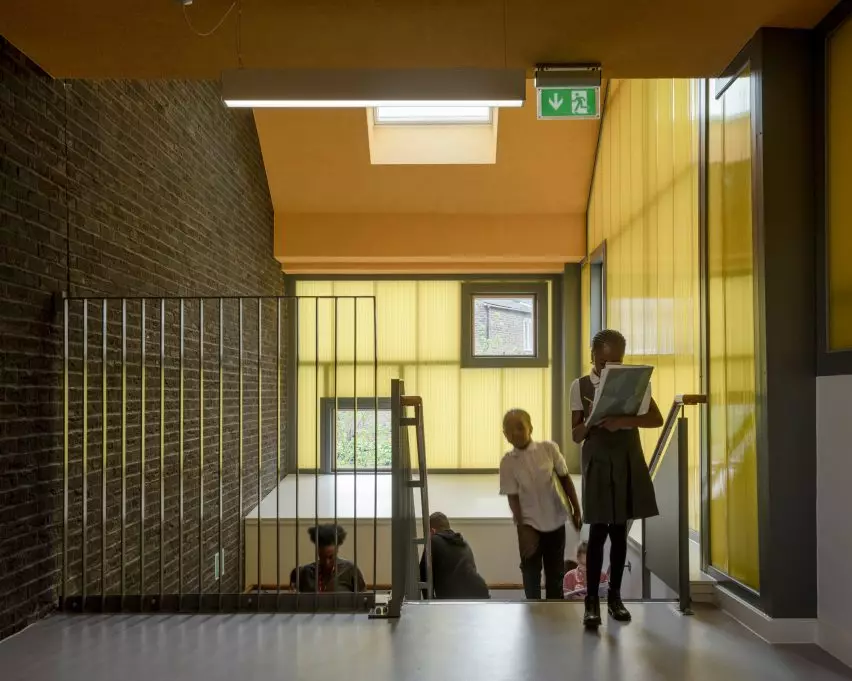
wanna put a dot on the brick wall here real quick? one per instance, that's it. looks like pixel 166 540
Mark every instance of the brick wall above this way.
pixel 126 189
pixel 501 330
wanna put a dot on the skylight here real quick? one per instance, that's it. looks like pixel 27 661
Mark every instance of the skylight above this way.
pixel 441 115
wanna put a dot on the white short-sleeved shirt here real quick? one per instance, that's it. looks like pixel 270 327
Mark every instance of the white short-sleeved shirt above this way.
pixel 575 399
pixel 529 474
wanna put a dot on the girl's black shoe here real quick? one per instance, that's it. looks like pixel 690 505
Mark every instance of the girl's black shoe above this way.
pixel 592 616
pixel 616 608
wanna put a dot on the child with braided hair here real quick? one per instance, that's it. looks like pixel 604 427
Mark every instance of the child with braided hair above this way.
pixel 617 486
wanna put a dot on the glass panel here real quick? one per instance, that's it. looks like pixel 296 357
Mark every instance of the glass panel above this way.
pixel 503 326
pixel 839 150
pixel 366 440
pixel 732 399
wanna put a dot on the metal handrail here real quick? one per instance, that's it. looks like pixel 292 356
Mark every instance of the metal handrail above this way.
pixel 675 418
pixel 678 403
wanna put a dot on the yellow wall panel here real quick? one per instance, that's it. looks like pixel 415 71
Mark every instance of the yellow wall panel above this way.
pixel 481 400
pixel 645 207
pixel 839 145
pixel 418 339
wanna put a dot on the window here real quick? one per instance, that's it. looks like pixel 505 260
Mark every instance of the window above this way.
pixel 354 434
pixel 504 325
pixel 432 135
pixel 432 115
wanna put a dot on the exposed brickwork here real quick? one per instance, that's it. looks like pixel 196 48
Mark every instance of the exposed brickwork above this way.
pixel 160 190
pixel 503 330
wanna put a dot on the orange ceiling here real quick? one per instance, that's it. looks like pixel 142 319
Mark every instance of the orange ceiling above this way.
pixel 318 161
pixel 149 38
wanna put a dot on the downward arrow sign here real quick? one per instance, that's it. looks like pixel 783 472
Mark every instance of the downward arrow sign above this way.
pixel 555 101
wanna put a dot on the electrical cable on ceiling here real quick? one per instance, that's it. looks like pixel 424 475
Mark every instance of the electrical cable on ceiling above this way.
pixel 205 34
pixel 240 34
pixel 505 34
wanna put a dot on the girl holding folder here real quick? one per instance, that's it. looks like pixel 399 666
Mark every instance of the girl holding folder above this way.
pixel 617 486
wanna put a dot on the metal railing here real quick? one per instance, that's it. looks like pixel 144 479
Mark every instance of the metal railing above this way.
pixel 179 426
pixel 665 538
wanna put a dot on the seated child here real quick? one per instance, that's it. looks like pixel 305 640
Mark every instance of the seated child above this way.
pixel 454 574
pixel 328 572
pixel 574 584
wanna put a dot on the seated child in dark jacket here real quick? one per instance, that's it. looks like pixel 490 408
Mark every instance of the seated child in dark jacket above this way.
pixel 454 574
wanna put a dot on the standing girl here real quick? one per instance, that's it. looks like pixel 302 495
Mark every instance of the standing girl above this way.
pixel 617 486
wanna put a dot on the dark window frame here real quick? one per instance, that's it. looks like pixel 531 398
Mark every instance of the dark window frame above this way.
pixel 597 291
pixel 541 312
pixel 328 408
pixel 828 362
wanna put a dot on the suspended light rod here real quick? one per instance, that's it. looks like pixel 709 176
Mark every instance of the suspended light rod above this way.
pixel 354 88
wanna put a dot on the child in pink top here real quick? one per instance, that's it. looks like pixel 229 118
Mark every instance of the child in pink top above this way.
pixel 574 583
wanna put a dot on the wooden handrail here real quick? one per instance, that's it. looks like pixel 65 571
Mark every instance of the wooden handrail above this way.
pixel 690 400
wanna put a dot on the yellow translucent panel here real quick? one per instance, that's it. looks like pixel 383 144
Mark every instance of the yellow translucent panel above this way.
pixel 311 388
pixel 645 207
pixel 730 254
pixel 839 145
pixel 439 387
pixel 438 321
pixel 481 440
pixel 417 335
pixel 397 312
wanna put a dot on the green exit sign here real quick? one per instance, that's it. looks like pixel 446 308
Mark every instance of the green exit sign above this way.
pixel 568 103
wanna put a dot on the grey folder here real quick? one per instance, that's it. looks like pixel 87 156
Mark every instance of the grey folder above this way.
pixel 620 391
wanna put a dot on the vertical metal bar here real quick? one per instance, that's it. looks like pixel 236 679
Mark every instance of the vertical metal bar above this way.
pixel 398 521
pixel 394 427
pixel 104 311
pixel 162 443
pixel 181 456
pixel 334 433
pixel 355 463
pixel 684 595
pixel 259 438
pixel 85 532
pixel 240 560
pixel 646 573
pixel 65 439
pixel 123 448
pixel 296 363
pixel 142 426
pixel 317 406
pixel 221 445
pixel 278 456
pixel 200 448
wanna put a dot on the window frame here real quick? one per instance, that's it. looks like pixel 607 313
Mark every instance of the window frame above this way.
pixel 328 408
pixel 597 291
pixel 541 311
pixel 828 362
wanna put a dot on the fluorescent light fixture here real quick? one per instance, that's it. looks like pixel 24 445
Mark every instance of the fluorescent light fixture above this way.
pixel 432 115
pixel 321 89
pixel 366 104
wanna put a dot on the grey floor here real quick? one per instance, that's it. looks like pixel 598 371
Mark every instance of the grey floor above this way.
pixel 434 641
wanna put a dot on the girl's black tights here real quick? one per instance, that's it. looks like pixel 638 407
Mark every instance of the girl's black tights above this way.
pixel 617 555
